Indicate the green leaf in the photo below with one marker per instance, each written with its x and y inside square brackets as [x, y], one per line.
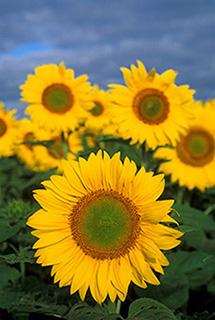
[8, 275]
[173, 291]
[7, 231]
[195, 218]
[149, 309]
[24, 255]
[187, 262]
[198, 226]
[211, 287]
[198, 266]
[9, 298]
[82, 311]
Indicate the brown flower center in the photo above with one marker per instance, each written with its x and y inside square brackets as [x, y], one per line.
[29, 137]
[197, 148]
[58, 98]
[3, 127]
[105, 224]
[151, 106]
[56, 149]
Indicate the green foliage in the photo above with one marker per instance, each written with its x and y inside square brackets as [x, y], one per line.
[145, 308]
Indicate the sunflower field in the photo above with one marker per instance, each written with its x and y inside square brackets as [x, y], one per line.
[107, 199]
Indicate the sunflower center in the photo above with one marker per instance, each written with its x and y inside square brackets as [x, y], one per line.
[197, 148]
[105, 224]
[29, 137]
[57, 98]
[151, 106]
[3, 127]
[97, 109]
[56, 149]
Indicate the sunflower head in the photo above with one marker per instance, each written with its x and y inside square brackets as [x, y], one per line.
[102, 226]
[98, 114]
[8, 131]
[150, 107]
[3, 127]
[57, 100]
[28, 134]
[192, 161]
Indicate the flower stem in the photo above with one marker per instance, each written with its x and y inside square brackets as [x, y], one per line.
[118, 306]
[180, 196]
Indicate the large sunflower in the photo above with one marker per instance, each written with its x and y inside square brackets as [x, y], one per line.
[8, 131]
[192, 161]
[151, 107]
[56, 98]
[101, 226]
[98, 115]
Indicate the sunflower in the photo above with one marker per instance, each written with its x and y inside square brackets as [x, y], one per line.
[8, 131]
[98, 114]
[51, 156]
[28, 132]
[101, 226]
[56, 98]
[150, 108]
[210, 104]
[192, 161]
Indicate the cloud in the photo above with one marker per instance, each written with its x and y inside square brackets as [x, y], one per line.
[98, 37]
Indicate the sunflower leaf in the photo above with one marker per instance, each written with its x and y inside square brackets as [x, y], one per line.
[145, 308]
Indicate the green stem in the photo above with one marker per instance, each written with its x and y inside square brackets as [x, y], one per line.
[22, 269]
[209, 209]
[118, 306]
[180, 196]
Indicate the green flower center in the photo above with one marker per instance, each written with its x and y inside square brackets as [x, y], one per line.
[3, 127]
[198, 145]
[97, 109]
[104, 224]
[151, 106]
[197, 148]
[57, 98]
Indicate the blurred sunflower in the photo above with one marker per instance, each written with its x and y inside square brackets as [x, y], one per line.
[150, 108]
[101, 226]
[51, 156]
[98, 117]
[192, 161]
[56, 98]
[210, 104]
[8, 131]
[28, 132]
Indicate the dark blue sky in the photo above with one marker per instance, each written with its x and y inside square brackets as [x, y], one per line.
[98, 37]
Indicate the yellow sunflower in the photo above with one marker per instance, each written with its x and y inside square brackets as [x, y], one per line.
[28, 132]
[210, 104]
[8, 131]
[52, 156]
[56, 98]
[151, 108]
[192, 161]
[101, 226]
[98, 114]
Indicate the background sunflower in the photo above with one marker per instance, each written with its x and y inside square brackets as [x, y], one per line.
[8, 131]
[57, 100]
[192, 162]
[150, 107]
